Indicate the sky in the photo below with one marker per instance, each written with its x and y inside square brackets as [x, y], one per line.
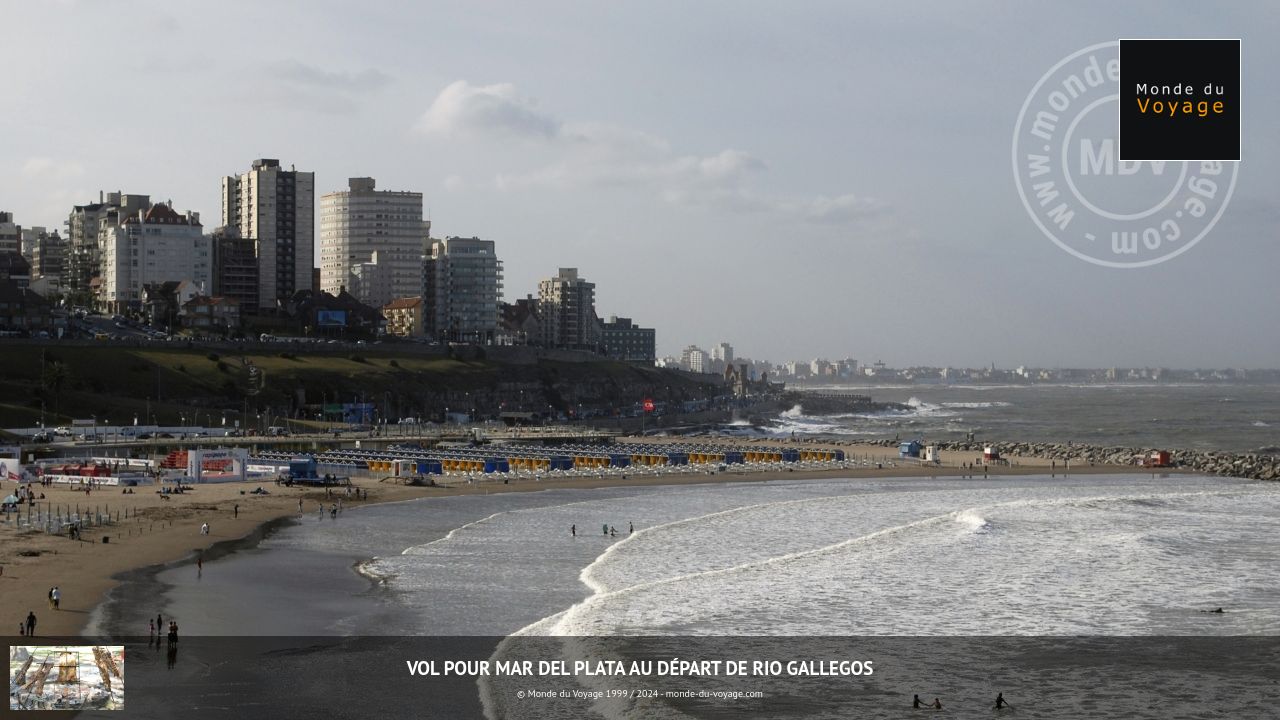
[801, 180]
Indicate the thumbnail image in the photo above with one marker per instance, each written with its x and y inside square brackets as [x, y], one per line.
[66, 677]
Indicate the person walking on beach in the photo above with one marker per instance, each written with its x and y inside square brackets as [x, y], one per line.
[204, 529]
[299, 506]
[31, 624]
[236, 511]
[56, 594]
[50, 598]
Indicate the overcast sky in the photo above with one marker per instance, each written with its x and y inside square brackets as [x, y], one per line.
[799, 179]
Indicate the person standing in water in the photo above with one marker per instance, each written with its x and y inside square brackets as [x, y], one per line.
[916, 703]
[1000, 703]
[937, 704]
[631, 528]
[573, 530]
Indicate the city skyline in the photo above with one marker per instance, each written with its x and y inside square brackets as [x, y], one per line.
[760, 176]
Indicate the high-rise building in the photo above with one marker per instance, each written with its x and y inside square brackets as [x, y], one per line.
[85, 227]
[567, 304]
[152, 247]
[695, 359]
[235, 268]
[462, 283]
[10, 233]
[622, 339]
[362, 227]
[722, 352]
[276, 209]
[46, 252]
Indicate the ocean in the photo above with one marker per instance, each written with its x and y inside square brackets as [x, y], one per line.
[1227, 417]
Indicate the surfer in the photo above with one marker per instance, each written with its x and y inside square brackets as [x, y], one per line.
[1215, 611]
[1000, 703]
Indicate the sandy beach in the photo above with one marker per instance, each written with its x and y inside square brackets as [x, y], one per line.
[156, 531]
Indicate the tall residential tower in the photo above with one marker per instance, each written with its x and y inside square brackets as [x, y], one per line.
[275, 208]
[371, 242]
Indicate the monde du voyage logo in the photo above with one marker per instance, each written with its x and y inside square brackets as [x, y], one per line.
[1129, 169]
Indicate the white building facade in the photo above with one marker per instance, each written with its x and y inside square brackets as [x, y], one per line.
[567, 304]
[363, 225]
[154, 246]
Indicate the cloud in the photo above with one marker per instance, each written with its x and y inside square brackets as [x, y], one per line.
[463, 108]
[589, 155]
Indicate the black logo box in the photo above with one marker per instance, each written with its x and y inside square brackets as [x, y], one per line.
[1180, 64]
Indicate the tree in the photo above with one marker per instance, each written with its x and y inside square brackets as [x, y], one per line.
[54, 377]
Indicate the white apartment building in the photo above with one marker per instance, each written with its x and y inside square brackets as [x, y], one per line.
[567, 304]
[85, 226]
[362, 225]
[722, 352]
[276, 209]
[154, 246]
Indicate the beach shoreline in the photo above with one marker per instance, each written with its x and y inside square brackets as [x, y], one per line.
[161, 534]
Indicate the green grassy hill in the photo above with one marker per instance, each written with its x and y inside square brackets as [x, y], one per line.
[116, 383]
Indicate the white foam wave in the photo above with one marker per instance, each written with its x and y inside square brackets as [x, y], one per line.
[567, 624]
[977, 405]
[577, 619]
[974, 521]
